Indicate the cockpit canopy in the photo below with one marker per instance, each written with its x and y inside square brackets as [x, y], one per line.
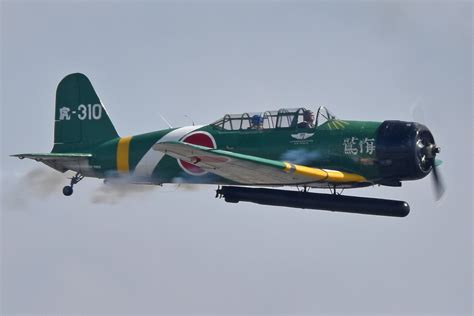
[283, 118]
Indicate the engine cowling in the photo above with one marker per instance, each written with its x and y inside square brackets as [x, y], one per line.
[405, 150]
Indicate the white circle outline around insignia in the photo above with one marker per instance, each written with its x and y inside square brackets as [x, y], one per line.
[214, 147]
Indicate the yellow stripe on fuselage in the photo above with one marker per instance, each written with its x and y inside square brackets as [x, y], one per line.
[123, 150]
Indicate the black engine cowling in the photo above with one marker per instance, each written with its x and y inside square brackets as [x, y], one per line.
[405, 150]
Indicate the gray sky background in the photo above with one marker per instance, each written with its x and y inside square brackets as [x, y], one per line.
[180, 251]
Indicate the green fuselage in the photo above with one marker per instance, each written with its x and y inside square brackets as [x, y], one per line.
[340, 145]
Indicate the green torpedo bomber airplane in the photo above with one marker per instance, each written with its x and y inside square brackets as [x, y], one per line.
[243, 153]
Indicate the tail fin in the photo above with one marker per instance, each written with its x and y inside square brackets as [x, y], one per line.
[80, 118]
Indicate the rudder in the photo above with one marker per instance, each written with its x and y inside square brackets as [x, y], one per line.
[81, 120]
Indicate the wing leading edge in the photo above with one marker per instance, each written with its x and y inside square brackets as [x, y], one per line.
[252, 170]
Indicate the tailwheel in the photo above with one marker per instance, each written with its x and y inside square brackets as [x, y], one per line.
[68, 190]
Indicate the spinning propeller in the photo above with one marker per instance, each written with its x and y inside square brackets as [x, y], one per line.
[426, 151]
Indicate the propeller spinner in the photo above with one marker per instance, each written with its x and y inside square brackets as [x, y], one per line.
[426, 151]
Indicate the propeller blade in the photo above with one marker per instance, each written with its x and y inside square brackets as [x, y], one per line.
[438, 183]
[417, 112]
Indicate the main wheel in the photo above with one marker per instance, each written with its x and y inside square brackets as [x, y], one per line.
[67, 190]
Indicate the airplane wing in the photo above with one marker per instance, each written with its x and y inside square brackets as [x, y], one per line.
[252, 170]
[60, 162]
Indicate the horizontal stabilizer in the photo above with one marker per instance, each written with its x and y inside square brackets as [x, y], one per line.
[52, 156]
[60, 161]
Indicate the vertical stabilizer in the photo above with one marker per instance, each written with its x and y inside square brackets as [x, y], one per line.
[81, 120]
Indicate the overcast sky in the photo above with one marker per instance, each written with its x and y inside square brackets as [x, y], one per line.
[180, 251]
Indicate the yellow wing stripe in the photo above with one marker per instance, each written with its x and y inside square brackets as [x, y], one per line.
[317, 174]
[324, 174]
[123, 150]
[341, 177]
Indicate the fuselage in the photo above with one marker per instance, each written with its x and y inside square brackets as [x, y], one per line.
[340, 145]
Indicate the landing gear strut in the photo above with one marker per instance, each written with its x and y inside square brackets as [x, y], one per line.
[333, 191]
[67, 190]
